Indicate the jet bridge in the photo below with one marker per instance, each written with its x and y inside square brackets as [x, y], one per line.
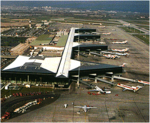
[86, 83]
[82, 54]
[122, 78]
[94, 53]
[105, 81]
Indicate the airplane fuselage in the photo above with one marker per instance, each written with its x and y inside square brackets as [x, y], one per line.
[133, 88]
[143, 82]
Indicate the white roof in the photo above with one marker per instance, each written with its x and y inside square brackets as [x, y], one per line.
[74, 64]
[49, 63]
[65, 60]
[17, 63]
[59, 65]
[75, 44]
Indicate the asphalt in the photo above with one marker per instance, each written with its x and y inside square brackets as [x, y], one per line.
[15, 102]
[118, 106]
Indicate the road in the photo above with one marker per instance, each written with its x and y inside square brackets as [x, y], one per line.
[4, 56]
[134, 26]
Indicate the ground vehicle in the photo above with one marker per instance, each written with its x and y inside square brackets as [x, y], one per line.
[6, 116]
[21, 94]
[3, 99]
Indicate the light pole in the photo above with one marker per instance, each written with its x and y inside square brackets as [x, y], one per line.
[20, 81]
[40, 81]
[10, 80]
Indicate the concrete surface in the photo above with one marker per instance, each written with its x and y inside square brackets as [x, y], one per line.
[126, 107]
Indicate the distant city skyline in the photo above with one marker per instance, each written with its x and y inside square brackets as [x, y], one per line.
[124, 6]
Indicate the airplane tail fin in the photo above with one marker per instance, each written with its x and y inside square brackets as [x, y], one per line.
[138, 88]
[127, 49]
[108, 92]
[123, 65]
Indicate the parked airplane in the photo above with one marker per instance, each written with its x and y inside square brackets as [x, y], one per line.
[143, 82]
[65, 105]
[85, 107]
[123, 65]
[133, 88]
[101, 26]
[121, 50]
[122, 54]
[106, 33]
[111, 56]
[106, 52]
[123, 42]
[99, 90]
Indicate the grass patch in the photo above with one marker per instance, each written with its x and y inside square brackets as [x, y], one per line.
[62, 41]
[143, 37]
[131, 30]
[146, 27]
[144, 22]
[43, 37]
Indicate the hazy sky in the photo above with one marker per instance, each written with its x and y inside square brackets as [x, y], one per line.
[133, 6]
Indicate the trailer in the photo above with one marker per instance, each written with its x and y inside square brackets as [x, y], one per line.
[3, 100]
[6, 116]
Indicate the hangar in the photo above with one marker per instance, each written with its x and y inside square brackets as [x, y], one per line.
[58, 68]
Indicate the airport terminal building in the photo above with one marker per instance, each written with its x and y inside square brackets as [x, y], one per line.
[64, 68]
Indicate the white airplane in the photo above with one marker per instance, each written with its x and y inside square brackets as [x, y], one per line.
[99, 90]
[143, 82]
[123, 65]
[122, 54]
[106, 33]
[65, 105]
[106, 52]
[121, 50]
[102, 26]
[123, 42]
[111, 56]
[85, 107]
[133, 88]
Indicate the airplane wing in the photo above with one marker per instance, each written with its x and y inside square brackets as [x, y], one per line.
[95, 90]
[78, 106]
[108, 92]
[85, 109]
[91, 107]
[124, 89]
